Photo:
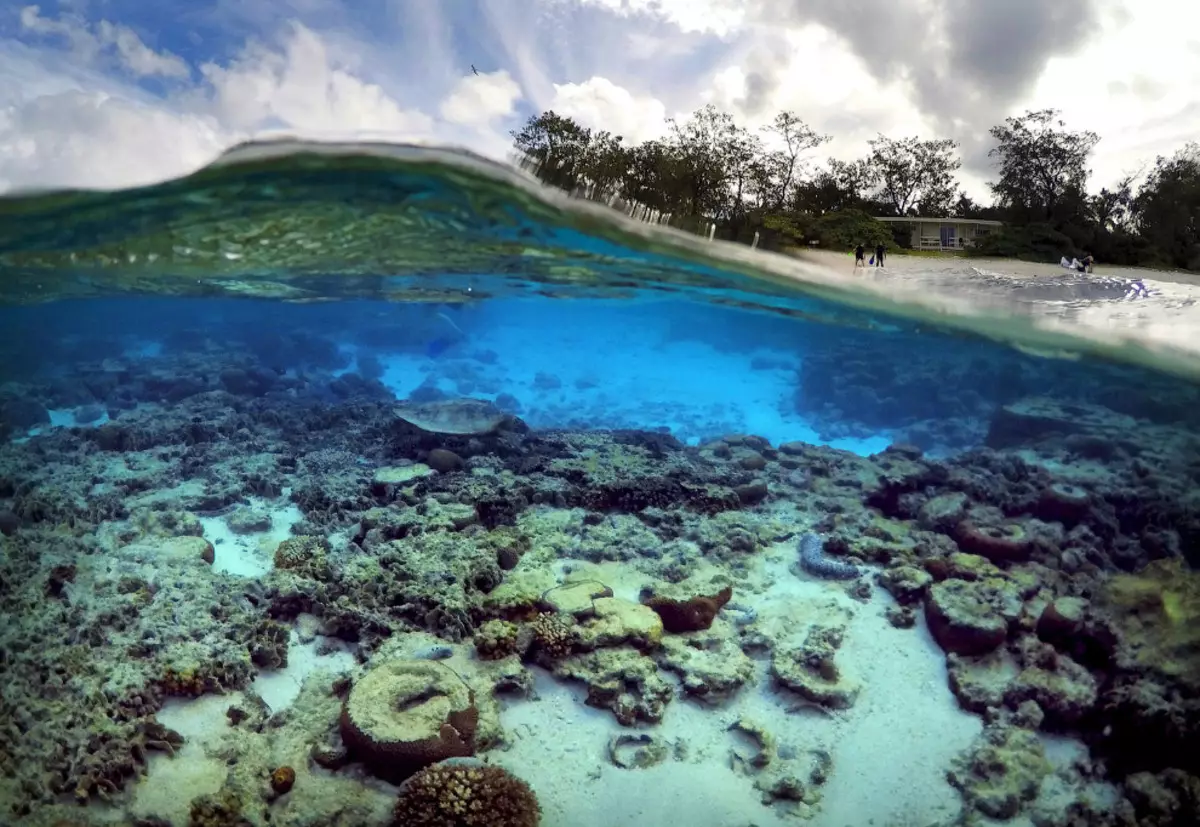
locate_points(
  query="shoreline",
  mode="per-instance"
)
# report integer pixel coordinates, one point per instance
(1010, 267)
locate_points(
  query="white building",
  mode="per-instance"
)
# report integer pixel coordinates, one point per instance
(944, 234)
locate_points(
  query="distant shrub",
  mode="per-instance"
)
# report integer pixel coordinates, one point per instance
(1032, 242)
(840, 230)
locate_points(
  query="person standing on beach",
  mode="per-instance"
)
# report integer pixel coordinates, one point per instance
(860, 256)
(879, 251)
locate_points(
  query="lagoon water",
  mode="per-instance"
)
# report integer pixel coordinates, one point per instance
(327, 467)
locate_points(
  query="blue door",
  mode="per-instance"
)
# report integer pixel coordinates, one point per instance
(948, 239)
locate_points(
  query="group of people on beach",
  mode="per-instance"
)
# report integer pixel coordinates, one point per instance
(860, 256)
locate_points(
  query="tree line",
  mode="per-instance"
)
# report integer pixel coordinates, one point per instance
(709, 169)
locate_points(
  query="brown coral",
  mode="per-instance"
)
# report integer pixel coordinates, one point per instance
(553, 635)
(1006, 543)
(403, 716)
(303, 554)
(283, 779)
(690, 615)
(496, 639)
(466, 794)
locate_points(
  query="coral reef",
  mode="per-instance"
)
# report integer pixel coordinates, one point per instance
(402, 716)
(448, 547)
(466, 794)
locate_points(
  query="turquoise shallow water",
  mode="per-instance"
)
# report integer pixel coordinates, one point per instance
(323, 439)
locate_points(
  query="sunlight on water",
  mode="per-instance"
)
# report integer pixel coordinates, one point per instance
(322, 472)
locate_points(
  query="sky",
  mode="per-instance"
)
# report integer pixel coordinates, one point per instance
(116, 93)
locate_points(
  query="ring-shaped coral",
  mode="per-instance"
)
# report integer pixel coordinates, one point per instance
(402, 716)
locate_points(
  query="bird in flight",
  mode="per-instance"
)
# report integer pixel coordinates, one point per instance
(473, 69)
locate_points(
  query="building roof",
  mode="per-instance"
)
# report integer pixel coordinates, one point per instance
(923, 219)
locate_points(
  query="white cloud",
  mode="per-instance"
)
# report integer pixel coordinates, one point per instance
(72, 110)
(89, 43)
(70, 126)
(476, 100)
(1126, 83)
(76, 138)
(601, 104)
(301, 89)
(719, 17)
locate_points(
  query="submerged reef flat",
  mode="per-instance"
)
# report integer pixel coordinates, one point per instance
(250, 596)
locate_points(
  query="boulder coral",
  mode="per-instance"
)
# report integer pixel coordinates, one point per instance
(466, 793)
(402, 716)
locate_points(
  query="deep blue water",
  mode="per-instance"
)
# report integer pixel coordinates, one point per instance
(690, 368)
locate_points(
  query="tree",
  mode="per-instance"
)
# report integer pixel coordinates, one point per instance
(1043, 166)
(914, 175)
(1112, 209)
(703, 145)
(782, 166)
(606, 162)
(556, 147)
(1167, 208)
(710, 169)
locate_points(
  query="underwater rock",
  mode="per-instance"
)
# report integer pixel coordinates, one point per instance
(944, 512)
(810, 671)
(753, 462)
(908, 584)
(519, 595)
(1001, 772)
(1170, 798)
(444, 461)
(1149, 712)
(1156, 614)
(752, 493)
(402, 716)
(621, 680)
(401, 474)
(710, 664)
(630, 752)
(509, 403)
(1036, 419)
(577, 599)
(546, 381)
(980, 683)
(971, 617)
(756, 747)
(22, 413)
(1064, 503)
(248, 521)
(615, 621)
(1063, 689)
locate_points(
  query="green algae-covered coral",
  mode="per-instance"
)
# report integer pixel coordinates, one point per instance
(466, 793)
(402, 716)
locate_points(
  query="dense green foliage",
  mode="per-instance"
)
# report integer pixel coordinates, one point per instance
(710, 170)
